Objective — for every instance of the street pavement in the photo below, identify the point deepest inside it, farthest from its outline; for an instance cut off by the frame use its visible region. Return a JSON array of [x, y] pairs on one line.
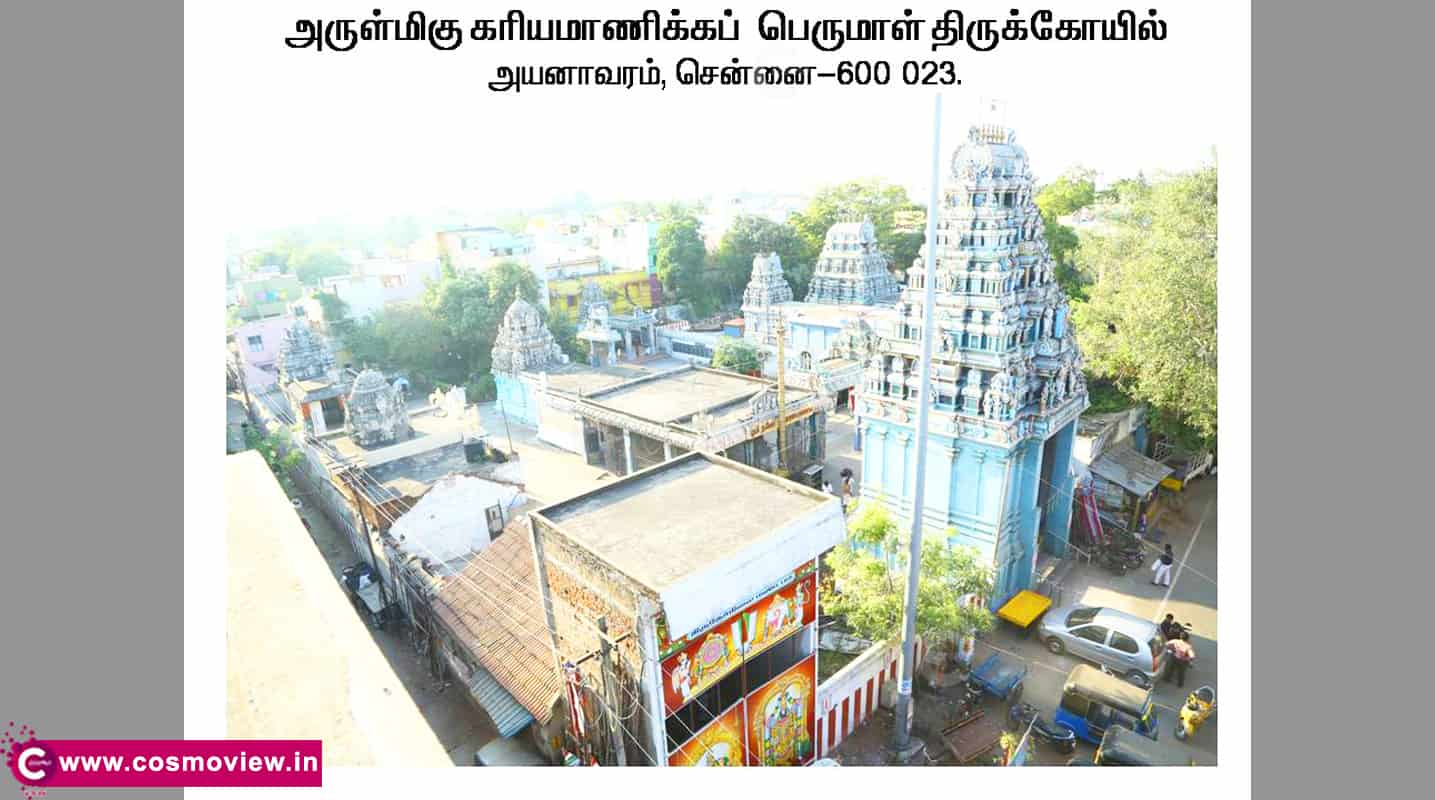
[[1191, 597]]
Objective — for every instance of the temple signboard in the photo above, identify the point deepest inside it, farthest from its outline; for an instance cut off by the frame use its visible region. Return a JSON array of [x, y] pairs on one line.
[[696, 662]]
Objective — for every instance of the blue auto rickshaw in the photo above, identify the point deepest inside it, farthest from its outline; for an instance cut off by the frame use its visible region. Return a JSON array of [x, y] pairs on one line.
[[1093, 702]]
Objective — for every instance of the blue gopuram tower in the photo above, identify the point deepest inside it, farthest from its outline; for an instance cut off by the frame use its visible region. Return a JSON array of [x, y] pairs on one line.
[[1006, 385]]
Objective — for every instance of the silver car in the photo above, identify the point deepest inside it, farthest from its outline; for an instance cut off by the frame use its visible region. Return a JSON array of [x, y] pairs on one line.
[[1131, 646]]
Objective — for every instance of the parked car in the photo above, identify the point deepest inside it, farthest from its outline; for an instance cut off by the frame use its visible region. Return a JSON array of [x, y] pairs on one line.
[[508, 752], [1127, 644]]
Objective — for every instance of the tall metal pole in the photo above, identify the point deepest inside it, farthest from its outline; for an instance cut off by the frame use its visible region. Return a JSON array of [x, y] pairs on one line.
[[781, 396], [902, 744]]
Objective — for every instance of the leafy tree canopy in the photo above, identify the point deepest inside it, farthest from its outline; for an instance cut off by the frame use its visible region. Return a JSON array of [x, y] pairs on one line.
[[853, 200], [870, 572], [752, 235], [738, 355], [681, 261], [1149, 326]]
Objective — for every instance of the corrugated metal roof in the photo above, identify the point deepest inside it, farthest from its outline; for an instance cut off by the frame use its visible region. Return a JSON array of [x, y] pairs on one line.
[[492, 609], [1130, 470], [507, 714]]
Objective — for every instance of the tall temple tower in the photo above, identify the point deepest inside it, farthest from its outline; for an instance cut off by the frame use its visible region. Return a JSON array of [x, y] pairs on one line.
[[765, 292], [1006, 385], [524, 348], [851, 269]]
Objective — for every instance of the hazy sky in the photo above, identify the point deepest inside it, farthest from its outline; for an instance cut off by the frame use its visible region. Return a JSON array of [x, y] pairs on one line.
[[392, 130]]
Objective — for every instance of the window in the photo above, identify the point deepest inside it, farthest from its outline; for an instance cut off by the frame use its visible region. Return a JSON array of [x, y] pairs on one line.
[[1124, 643], [1091, 633], [256, 344]]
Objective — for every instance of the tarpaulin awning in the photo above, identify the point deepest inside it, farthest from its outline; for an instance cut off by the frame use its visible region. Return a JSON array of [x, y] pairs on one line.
[[507, 715], [1130, 470]]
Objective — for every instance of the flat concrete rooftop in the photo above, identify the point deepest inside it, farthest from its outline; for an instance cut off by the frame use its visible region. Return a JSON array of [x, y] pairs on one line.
[[672, 521], [581, 378], [679, 395]]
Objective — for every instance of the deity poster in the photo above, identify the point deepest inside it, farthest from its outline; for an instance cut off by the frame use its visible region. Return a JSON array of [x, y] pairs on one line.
[[711, 655], [780, 718], [719, 744]]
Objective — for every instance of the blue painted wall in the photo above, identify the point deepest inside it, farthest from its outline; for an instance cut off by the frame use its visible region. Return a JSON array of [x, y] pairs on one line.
[[968, 485], [517, 401]]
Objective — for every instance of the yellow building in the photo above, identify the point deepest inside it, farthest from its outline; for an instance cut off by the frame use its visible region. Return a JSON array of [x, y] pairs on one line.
[[625, 291]]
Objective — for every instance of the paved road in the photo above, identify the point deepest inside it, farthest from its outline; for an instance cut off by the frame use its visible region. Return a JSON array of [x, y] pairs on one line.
[[1192, 598]]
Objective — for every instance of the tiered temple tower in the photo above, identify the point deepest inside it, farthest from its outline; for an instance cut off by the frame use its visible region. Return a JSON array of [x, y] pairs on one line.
[[304, 355], [524, 349], [375, 412], [524, 343], [1006, 384], [851, 269], [765, 291]]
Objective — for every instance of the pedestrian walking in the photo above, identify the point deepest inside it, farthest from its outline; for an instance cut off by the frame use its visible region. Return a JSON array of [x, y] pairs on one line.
[[1162, 568], [1182, 654], [848, 495]]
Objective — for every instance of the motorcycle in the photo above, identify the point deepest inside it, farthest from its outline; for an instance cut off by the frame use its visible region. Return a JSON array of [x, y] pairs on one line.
[[1061, 739], [1199, 707]]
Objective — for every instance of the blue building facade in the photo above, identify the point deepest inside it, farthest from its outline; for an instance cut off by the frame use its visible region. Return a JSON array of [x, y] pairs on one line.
[[1006, 386]]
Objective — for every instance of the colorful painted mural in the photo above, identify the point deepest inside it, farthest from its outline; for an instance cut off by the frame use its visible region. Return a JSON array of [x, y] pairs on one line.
[[709, 656], [667, 646], [717, 745], [780, 718]]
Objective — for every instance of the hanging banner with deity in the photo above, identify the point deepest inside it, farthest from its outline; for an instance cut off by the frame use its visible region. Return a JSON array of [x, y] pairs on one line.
[[780, 718], [719, 744], [709, 656]]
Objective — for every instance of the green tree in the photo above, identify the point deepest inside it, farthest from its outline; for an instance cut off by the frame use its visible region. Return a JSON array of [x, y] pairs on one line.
[[507, 278], [737, 355], [312, 266], [853, 200], [565, 332], [751, 235], [336, 312], [870, 572], [1070, 193], [277, 453], [1149, 326], [682, 259]]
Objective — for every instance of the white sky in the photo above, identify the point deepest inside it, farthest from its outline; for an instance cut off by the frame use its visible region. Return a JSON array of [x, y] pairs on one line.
[[396, 128]]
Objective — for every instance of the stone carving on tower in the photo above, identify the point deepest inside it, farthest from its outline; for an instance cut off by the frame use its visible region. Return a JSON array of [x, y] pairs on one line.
[[376, 413], [524, 343], [590, 298], [1003, 326], [304, 355], [761, 301], [851, 269]]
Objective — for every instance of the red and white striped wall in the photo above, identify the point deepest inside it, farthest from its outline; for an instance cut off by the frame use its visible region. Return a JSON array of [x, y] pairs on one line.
[[849, 698]]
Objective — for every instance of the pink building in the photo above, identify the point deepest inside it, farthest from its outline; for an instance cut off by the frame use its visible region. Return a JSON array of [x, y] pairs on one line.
[[257, 343]]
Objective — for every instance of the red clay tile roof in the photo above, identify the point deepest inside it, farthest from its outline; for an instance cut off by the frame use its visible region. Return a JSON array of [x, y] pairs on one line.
[[493, 609]]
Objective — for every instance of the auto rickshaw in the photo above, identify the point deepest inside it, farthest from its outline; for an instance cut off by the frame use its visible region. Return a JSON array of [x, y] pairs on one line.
[[1121, 747], [1200, 705], [1093, 702]]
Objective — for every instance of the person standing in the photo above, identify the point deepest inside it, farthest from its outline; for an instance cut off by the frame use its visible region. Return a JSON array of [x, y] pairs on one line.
[[1182, 654], [1170, 628], [1162, 567], [848, 495]]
